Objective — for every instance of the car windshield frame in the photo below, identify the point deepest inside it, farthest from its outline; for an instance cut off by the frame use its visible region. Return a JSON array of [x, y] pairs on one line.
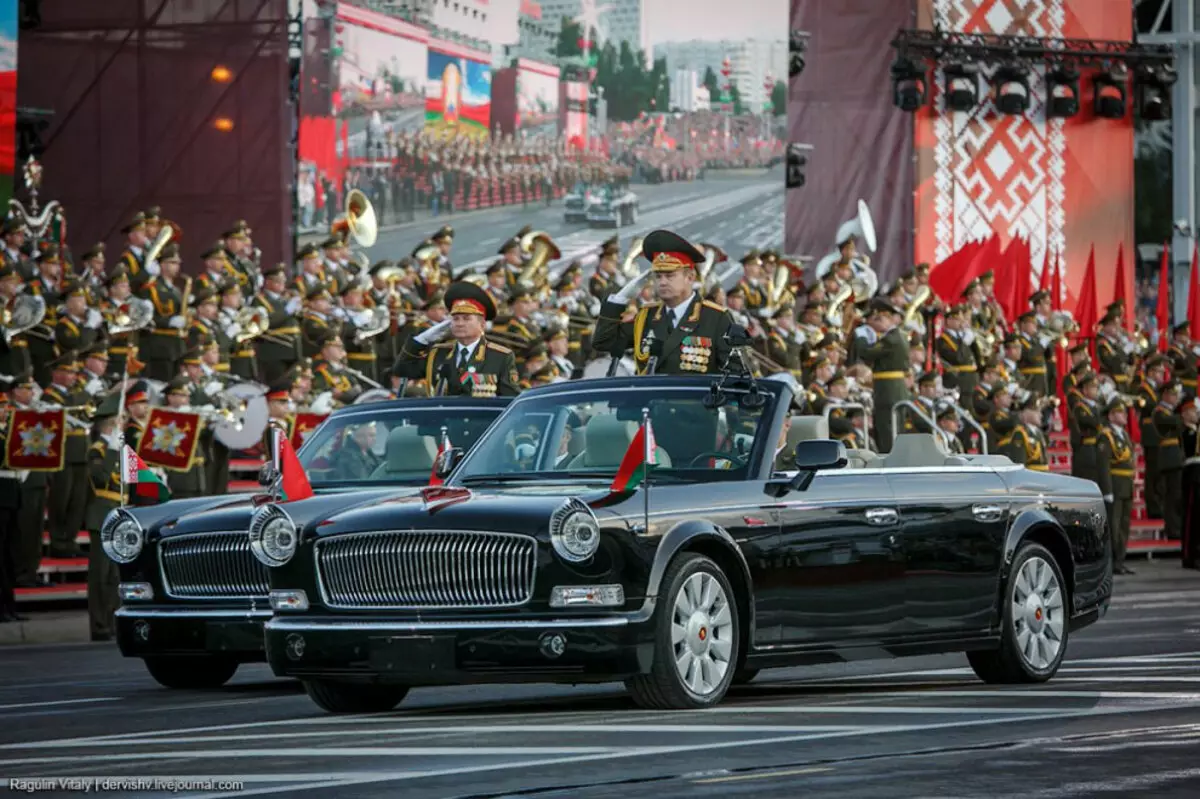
[[337, 423], [472, 471]]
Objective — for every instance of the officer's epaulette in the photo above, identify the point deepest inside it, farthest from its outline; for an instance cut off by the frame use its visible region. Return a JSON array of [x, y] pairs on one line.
[[714, 306], [499, 348], [98, 445], [445, 345]]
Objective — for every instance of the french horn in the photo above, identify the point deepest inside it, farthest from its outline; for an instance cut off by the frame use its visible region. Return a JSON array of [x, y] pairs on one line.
[[254, 321], [541, 249], [371, 323], [132, 314], [24, 313]]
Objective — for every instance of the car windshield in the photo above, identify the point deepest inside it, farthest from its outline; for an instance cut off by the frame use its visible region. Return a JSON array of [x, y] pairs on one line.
[[584, 435], [389, 446]]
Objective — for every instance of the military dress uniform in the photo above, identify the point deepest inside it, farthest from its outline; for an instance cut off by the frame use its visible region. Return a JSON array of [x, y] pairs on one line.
[[960, 367], [40, 338], [1027, 444], [1088, 420], [1152, 489], [133, 259], [1169, 426], [68, 487], [165, 344], [890, 363], [104, 478], [1115, 476], [1114, 361], [315, 326], [1183, 362], [1032, 365], [120, 345], [279, 349]]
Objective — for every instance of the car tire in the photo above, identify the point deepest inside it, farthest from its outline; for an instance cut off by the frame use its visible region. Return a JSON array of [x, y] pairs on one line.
[[200, 671], [699, 611], [1034, 622], [344, 697]]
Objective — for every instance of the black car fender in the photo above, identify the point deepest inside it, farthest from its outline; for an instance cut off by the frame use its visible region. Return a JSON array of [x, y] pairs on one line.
[[1038, 524], [713, 541]]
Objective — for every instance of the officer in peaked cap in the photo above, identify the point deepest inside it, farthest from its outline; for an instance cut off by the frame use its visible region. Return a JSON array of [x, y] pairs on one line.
[[886, 351], [681, 333], [10, 505], [104, 495], [465, 363], [949, 423], [1114, 475], [444, 239]]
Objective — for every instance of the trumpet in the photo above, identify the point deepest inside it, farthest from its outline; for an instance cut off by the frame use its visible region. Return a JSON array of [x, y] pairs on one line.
[[210, 414], [77, 416], [362, 377]]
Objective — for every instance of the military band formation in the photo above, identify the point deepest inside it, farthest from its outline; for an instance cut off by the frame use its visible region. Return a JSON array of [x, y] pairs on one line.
[[109, 340]]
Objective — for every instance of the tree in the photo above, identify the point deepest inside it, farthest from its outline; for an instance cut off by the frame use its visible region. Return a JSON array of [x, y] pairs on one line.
[[711, 83], [569, 33], [779, 98], [735, 97]]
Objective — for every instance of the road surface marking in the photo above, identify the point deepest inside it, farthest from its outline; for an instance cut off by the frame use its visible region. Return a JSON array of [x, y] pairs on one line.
[[58, 702], [883, 710], [795, 772], [352, 751]]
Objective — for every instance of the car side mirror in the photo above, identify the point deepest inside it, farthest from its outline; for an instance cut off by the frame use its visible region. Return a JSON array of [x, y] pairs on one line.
[[446, 461], [810, 457]]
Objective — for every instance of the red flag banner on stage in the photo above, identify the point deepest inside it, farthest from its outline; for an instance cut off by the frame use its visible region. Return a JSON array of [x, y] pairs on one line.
[[1162, 319], [1021, 268], [947, 278], [1193, 313], [294, 483], [304, 424], [1121, 291], [146, 487], [36, 440], [170, 439], [1086, 310], [1056, 290]]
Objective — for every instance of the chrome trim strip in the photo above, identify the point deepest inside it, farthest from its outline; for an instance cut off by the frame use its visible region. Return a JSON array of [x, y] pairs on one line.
[[232, 614], [233, 534], [300, 624]]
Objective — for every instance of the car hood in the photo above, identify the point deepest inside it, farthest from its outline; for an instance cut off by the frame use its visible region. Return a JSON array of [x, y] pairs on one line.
[[524, 509], [155, 518]]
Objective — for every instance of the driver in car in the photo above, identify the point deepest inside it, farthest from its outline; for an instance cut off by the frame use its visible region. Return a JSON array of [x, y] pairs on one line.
[[355, 459]]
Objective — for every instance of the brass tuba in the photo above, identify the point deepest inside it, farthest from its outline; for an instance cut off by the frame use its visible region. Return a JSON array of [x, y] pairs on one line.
[[777, 292], [635, 251], [25, 313], [919, 299], [133, 314], [371, 323], [254, 321], [541, 249], [713, 255], [166, 232], [358, 220]]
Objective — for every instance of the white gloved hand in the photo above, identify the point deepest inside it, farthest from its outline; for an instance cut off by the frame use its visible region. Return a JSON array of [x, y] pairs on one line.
[[114, 439], [1045, 341], [323, 403], [232, 329], [764, 312], [213, 387], [433, 334], [177, 322], [152, 269], [1128, 347], [968, 337], [94, 319], [339, 313], [292, 306], [94, 386], [630, 289]]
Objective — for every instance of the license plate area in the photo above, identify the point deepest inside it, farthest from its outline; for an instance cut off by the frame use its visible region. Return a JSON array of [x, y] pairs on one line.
[[236, 636], [412, 654]]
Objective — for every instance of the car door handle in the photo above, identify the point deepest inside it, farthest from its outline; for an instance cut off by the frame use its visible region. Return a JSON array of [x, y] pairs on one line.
[[987, 513], [882, 517]]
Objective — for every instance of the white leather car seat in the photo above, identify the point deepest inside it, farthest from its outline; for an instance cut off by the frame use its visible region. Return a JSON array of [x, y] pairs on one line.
[[807, 428], [406, 451], [913, 450], [608, 440]]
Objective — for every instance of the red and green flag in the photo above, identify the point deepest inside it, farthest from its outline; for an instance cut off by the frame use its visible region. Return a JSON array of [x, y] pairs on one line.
[[638, 461], [146, 487], [443, 446], [294, 483]]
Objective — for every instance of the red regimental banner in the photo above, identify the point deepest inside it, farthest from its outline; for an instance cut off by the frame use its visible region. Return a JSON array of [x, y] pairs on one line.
[[170, 439], [36, 440]]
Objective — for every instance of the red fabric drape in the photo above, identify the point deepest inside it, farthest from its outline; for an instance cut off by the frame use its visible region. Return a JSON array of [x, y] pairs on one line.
[[1056, 297], [951, 276], [1007, 268], [1163, 317], [1193, 313], [1044, 283], [1086, 312], [1120, 290]]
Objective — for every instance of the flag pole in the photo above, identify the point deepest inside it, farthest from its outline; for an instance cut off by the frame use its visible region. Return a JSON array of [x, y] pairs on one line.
[[646, 453], [121, 426]]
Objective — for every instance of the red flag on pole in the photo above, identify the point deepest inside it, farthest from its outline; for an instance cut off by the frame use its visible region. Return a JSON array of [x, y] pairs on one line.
[[1044, 284], [952, 275], [1056, 297], [1022, 268], [443, 446], [1193, 314], [1086, 311], [1120, 290], [1163, 317], [294, 482]]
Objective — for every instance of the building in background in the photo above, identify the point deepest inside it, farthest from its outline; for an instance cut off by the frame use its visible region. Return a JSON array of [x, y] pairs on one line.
[[687, 94], [620, 20], [536, 38], [489, 25], [753, 60], [695, 54]]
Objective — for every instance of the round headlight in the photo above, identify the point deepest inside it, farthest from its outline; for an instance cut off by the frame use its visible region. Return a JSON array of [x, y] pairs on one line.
[[273, 535], [574, 531], [122, 536]]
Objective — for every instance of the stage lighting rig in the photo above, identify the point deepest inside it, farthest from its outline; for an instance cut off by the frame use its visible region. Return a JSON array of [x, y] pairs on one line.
[[797, 163], [1153, 85], [797, 46], [909, 83], [1108, 92], [1011, 83], [962, 86], [1062, 92]]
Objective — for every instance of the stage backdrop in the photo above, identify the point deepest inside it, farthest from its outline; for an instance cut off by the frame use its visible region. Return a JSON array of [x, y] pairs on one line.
[[8, 97], [862, 146], [458, 90], [537, 95], [1063, 184]]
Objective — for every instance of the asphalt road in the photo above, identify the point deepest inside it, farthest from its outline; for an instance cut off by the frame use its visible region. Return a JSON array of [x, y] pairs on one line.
[[735, 213], [1122, 719]]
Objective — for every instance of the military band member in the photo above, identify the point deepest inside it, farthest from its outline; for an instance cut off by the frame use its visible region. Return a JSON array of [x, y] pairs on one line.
[[333, 265], [48, 286], [1032, 363], [279, 350], [951, 427], [1027, 443], [926, 399], [134, 256], [190, 483], [68, 487], [1080, 364], [1113, 352], [958, 352], [1115, 475], [1087, 417], [558, 347], [889, 358], [13, 254], [1182, 355], [121, 346], [203, 322], [137, 407], [444, 239], [217, 272], [607, 278], [1010, 369], [104, 481], [1000, 420], [14, 350], [93, 378], [752, 285], [317, 320], [329, 370], [165, 344], [679, 334], [1154, 375], [1169, 426], [469, 363], [31, 517]]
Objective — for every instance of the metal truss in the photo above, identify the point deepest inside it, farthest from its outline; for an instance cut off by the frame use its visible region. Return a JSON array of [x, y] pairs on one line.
[[995, 48]]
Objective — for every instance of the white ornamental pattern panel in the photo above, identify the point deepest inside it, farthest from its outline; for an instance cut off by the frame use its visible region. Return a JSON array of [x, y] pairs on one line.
[[995, 172]]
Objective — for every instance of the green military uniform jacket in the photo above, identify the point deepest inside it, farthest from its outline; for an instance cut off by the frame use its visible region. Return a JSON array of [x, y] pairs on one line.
[[491, 372], [1032, 365], [104, 474], [134, 264], [360, 354], [1183, 367], [164, 342], [335, 379], [960, 367], [1026, 445], [1088, 420], [281, 343], [696, 346], [1113, 361], [1146, 414], [998, 426], [1115, 466], [756, 296], [312, 327], [785, 352], [1169, 426], [73, 336], [890, 364]]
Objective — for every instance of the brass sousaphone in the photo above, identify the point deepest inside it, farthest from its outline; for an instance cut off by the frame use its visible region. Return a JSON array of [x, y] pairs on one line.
[[168, 231], [360, 219], [713, 255], [541, 250]]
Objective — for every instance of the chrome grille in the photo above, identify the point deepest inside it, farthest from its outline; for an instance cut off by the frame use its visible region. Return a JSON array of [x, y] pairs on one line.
[[426, 569], [212, 566]]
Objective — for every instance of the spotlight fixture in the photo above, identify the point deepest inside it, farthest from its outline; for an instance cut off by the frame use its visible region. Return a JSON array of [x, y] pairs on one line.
[[962, 86], [1154, 91], [797, 45], [1011, 83], [1062, 92], [797, 162], [909, 87], [1108, 92]]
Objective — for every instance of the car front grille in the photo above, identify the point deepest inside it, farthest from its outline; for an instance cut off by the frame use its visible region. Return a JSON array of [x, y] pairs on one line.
[[426, 569], [212, 566]]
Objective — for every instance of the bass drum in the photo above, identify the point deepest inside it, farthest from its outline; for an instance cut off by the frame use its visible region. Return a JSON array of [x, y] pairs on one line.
[[249, 404], [599, 368]]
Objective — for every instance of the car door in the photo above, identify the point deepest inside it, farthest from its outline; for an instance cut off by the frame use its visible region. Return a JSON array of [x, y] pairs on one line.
[[839, 566], [953, 521]]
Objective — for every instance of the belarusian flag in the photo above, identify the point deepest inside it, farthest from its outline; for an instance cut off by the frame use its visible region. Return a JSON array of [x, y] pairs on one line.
[[145, 484], [294, 483], [638, 460], [444, 446]]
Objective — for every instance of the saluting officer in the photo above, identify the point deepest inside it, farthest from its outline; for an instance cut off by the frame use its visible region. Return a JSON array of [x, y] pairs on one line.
[[469, 364], [679, 334], [1114, 475], [104, 478]]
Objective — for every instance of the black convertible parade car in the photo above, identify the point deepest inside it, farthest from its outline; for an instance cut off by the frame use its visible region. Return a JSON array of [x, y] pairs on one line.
[[194, 598], [755, 542]]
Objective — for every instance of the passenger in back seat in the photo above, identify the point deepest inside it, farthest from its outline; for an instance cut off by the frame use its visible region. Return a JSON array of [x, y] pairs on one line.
[[785, 458]]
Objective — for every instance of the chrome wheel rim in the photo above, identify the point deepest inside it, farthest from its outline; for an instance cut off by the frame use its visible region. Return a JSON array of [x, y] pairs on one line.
[[702, 633], [1037, 613]]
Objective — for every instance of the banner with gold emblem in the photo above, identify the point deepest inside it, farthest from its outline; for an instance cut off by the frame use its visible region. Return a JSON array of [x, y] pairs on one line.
[[304, 424], [36, 440], [170, 439]]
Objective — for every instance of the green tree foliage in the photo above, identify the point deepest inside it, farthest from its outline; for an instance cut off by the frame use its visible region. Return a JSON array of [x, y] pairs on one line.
[[712, 83], [735, 97], [569, 33], [779, 98]]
